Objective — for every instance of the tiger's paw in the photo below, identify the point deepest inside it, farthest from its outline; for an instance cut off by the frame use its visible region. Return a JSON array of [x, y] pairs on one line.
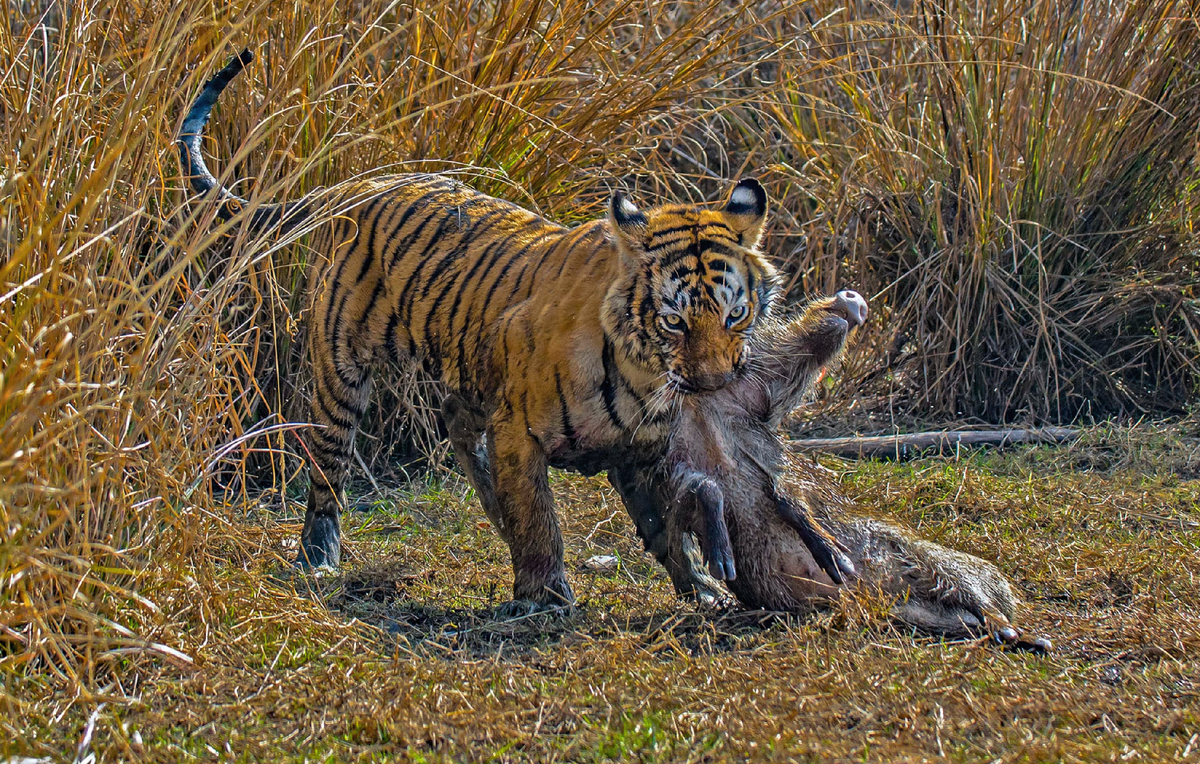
[[320, 544], [525, 608], [551, 597]]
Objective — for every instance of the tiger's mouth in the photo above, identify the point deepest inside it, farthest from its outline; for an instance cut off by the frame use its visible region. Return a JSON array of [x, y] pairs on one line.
[[681, 385]]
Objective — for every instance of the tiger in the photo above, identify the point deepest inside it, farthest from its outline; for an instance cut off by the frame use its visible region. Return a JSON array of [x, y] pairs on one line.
[[559, 347]]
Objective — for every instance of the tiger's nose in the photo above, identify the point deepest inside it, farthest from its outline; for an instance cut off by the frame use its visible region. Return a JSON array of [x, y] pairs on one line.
[[852, 306]]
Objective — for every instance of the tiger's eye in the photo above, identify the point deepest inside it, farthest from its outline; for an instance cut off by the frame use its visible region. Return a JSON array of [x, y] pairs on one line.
[[674, 322], [737, 314]]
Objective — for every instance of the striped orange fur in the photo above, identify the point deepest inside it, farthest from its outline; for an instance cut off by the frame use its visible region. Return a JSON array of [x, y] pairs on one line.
[[561, 346]]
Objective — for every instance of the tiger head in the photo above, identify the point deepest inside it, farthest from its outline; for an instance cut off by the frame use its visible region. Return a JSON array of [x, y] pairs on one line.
[[693, 285]]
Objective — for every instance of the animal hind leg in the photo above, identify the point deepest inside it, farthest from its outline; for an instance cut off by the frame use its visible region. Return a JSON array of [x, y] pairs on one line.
[[340, 396], [932, 618]]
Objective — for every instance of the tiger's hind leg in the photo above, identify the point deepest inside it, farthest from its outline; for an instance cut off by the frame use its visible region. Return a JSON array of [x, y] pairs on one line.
[[340, 395], [642, 492]]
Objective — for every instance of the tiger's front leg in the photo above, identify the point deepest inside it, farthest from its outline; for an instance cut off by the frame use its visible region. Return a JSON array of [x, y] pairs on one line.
[[525, 507]]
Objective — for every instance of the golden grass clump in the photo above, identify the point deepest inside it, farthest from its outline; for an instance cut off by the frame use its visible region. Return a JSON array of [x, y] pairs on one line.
[[1029, 256], [1016, 181]]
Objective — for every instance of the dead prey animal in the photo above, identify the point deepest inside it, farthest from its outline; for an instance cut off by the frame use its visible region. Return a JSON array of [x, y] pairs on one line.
[[751, 504]]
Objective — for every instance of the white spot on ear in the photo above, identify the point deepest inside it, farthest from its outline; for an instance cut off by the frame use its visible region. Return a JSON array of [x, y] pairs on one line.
[[743, 197], [628, 209]]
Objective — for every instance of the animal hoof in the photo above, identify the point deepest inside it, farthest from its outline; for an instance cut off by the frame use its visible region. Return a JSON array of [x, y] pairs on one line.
[[852, 306], [722, 568], [826, 551], [845, 565], [834, 562], [1011, 638], [1007, 635], [1039, 645]]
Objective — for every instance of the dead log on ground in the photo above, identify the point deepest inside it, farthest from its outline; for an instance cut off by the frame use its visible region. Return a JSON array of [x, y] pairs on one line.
[[945, 442]]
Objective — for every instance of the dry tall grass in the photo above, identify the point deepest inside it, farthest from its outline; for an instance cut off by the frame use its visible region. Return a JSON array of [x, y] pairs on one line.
[[1014, 182], [143, 350], [1017, 178]]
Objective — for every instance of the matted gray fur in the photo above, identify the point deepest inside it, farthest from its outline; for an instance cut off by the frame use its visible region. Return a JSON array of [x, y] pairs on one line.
[[746, 499]]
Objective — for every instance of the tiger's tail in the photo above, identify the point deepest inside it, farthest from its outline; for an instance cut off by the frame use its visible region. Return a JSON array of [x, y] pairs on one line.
[[283, 215]]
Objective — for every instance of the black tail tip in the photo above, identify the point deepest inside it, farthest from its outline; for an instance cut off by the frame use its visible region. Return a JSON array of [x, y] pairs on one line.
[[240, 61]]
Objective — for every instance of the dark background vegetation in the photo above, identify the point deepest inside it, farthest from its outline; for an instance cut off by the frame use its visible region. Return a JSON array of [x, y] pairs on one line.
[[1012, 185]]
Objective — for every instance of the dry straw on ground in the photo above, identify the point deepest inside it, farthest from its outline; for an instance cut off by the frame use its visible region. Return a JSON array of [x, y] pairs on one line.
[[1012, 183]]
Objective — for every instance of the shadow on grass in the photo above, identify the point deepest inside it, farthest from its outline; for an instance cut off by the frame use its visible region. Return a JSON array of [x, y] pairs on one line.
[[397, 601]]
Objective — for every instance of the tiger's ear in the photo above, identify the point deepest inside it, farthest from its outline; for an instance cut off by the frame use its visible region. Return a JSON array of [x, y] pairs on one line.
[[746, 211], [629, 225]]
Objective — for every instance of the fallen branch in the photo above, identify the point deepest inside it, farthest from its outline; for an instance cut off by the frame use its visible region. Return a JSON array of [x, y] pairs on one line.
[[907, 446]]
